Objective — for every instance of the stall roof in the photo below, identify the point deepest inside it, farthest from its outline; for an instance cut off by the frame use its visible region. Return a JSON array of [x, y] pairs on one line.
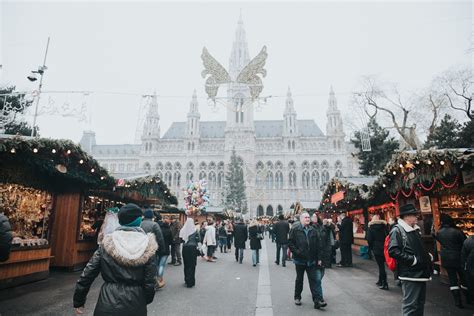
[[214, 209]]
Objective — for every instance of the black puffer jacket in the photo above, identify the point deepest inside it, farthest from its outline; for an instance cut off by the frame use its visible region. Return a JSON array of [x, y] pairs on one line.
[[346, 232], [240, 235], [5, 238], [281, 229], [129, 281], [168, 239], [467, 255], [376, 236], [451, 240], [305, 248], [406, 252], [149, 226]]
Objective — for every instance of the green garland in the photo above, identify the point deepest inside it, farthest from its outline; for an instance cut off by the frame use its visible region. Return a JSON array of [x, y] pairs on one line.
[[48, 163], [149, 187]]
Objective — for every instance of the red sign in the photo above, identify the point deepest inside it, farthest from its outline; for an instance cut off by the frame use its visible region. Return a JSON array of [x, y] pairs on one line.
[[336, 197]]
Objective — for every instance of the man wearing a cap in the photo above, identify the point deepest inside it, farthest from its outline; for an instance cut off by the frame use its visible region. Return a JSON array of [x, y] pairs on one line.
[[413, 261]]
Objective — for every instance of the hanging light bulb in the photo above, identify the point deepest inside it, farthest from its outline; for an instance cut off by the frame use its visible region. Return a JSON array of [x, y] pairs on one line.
[[53, 151], [441, 162], [384, 185], [429, 162], [417, 162], [401, 166], [102, 178], [92, 170], [68, 152], [81, 161], [13, 150], [35, 150], [394, 173]]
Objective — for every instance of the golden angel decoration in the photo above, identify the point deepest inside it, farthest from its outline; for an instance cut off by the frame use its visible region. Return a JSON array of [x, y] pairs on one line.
[[251, 75]]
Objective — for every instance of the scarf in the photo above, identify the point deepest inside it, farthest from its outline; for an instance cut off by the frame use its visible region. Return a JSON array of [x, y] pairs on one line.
[[187, 230]]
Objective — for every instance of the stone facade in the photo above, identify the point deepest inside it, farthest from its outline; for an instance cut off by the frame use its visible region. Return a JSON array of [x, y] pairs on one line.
[[285, 160]]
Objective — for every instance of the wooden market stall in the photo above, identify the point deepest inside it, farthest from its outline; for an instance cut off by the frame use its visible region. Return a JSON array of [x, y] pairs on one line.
[[39, 181], [436, 182]]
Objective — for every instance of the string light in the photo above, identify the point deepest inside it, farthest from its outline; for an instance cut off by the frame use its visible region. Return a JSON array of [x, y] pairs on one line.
[[441, 162], [102, 178], [68, 152], [417, 162], [92, 170], [394, 173], [35, 150], [401, 166], [13, 150], [383, 185], [429, 162], [53, 151], [81, 161]]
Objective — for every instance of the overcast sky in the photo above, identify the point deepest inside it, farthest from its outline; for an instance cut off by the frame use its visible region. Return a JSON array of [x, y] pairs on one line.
[[133, 48]]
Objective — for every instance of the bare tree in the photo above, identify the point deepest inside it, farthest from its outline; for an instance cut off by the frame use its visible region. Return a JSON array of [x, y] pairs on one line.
[[376, 98], [456, 86]]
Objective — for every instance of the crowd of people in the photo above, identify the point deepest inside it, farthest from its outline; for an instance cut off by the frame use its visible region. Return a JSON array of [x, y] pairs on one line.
[[132, 257]]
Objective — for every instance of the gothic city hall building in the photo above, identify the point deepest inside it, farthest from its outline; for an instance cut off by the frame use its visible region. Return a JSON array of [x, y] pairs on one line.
[[284, 161]]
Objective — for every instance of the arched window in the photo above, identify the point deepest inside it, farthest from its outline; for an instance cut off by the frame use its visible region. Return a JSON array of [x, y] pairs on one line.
[[279, 180], [159, 166], [190, 166], [305, 165], [338, 174], [168, 166], [269, 210], [220, 179], [202, 175], [292, 179], [325, 164], [177, 166], [177, 179], [338, 164], [202, 166], [315, 180], [279, 209], [325, 177], [168, 178], [269, 180], [278, 165], [147, 167], [289, 145], [212, 165], [269, 165], [260, 211], [293, 145], [305, 179], [159, 175], [315, 165], [212, 180], [220, 166], [292, 165], [189, 176]]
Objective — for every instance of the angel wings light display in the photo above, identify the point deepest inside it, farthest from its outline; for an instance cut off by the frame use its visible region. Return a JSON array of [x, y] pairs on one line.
[[250, 76]]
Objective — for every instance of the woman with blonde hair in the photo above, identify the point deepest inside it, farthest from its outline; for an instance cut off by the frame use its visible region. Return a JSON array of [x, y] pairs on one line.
[[255, 236]]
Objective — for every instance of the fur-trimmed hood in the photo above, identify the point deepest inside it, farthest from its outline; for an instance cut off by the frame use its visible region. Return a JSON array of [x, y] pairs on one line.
[[377, 221], [130, 247]]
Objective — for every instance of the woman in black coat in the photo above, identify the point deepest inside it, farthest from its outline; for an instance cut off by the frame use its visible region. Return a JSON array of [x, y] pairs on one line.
[[129, 280], [376, 238], [255, 244], [451, 239], [240, 237]]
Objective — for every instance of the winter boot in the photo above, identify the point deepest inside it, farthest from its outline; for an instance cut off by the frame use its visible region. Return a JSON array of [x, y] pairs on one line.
[[161, 283], [457, 298], [383, 285], [467, 295], [379, 282]]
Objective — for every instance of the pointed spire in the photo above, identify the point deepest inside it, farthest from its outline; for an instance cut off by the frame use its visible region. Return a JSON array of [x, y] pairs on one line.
[[153, 109], [194, 104], [289, 108], [239, 56], [288, 93], [332, 102]]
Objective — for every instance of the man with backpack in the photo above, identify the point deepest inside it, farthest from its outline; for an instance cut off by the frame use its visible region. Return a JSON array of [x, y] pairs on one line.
[[413, 261]]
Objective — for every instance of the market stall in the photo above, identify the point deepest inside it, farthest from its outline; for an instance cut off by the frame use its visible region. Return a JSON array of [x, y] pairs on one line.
[[35, 177]]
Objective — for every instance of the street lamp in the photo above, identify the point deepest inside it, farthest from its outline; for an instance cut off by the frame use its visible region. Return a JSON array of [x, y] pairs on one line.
[[33, 77]]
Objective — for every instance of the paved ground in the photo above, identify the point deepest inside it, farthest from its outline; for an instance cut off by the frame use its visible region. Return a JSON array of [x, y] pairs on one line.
[[229, 288]]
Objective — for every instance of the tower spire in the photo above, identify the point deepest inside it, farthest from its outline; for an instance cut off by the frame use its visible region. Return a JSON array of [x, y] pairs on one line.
[[239, 56]]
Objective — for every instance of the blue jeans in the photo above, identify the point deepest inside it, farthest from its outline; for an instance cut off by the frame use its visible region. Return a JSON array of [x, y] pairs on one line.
[[255, 256], [319, 277], [161, 265]]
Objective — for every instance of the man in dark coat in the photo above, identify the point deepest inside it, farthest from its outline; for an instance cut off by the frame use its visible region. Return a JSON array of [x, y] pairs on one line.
[[5, 238], [126, 261], [346, 239], [451, 239], [467, 258], [306, 248], [240, 237], [176, 244], [282, 228], [413, 261], [163, 252], [376, 238]]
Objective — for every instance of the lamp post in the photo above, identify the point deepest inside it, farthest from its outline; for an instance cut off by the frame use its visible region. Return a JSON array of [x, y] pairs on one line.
[[32, 77]]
